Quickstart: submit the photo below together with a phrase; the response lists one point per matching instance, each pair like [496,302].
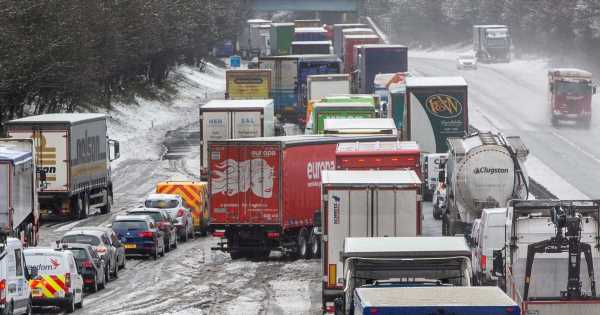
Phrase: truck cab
[491,43]
[570,95]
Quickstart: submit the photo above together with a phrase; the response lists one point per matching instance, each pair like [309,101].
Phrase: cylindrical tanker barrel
[483,171]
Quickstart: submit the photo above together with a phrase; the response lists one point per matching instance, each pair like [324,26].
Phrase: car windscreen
[79,253]
[130,225]
[156,216]
[82,239]
[161,203]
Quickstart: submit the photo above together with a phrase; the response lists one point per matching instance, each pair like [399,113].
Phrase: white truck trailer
[233,119]
[19,210]
[364,204]
[546,244]
[74,152]
[322,85]
[484,170]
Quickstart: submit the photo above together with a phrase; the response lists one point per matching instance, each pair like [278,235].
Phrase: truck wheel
[84,203]
[315,246]
[302,244]
[109,202]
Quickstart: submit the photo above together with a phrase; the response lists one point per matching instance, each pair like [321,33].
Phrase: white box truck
[74,152]
[19,210]
[234,119]
[364,204]
[322,85]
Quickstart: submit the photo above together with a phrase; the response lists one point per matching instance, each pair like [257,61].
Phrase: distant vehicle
[91,267]
[175,206]
[101,244]
[338,36]
[433,164]
[434,300]
[372,59]
[164,222]
[439,201]
[570,95]
[466,61]
[282,35]
[359,126]
[14,274]
[195,197]
[323,85]
[488,237]
[139,235]
[55,278]
[74,152]
[114,243]
[492,43]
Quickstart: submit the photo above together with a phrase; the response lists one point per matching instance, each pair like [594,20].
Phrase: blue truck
[372,59]
[289,79]
[433,300]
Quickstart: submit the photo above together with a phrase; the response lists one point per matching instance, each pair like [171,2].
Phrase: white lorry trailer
[383,262]
[546,244]
[74,152]
[484,170]
[364,204]
[233,119]
[19,210]
[322,85]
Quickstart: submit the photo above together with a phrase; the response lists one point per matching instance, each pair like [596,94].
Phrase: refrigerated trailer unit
[265,192]
[19,208]
[75,153]
[364,203]
[230,119]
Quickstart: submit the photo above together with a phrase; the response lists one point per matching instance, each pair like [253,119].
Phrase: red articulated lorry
[265,193]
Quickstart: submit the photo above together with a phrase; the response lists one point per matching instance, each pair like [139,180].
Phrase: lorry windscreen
[161,203]
[497,42]
[572,88]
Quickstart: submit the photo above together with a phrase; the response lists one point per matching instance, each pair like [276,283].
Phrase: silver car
[176,208]
[466,61]
[100,241]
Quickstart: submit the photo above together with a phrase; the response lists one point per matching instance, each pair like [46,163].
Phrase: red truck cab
[570,95]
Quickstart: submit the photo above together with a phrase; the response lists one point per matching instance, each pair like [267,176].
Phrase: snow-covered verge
[140,127]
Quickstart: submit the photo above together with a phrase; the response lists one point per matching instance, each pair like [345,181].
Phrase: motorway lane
[512,98]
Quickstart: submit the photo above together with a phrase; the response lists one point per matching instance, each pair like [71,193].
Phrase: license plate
[130,246]
[36,292]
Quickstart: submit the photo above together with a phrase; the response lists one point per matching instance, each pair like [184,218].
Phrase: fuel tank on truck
[484,170]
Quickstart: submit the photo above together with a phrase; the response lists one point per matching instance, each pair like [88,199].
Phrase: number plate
[129,246]
[36,292]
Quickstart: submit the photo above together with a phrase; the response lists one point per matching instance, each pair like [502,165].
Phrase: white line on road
[576,147]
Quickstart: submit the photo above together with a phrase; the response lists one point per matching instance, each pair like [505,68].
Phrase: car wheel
[175,243]
[70,307]
[162,252]
[80,304]
[94,287]
[107,274]
[116,272]
[101,285]
[186,235]
[124,262]
[29,310]
[167,246]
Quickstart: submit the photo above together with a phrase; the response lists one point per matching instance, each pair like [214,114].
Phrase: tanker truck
[483,170]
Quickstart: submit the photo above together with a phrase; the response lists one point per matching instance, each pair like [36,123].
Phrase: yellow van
[195,197]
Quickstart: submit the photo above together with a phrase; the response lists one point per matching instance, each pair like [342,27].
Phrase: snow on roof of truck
[381,46]
[69,118]
[359,123]
[258,21]
[435,81]
[349,25]
[357,29]
[433,296]
[353,105]
[311,42]
[369,177]
[282,24]
[570,72]
[324,77]
[419,246]
[306,139]
[15,156]
[237,104]
[360,36]
[491,26]
[310,30]
[350,148]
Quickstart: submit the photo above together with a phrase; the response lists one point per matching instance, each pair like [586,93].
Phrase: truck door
[215,126]
[246,124]
[51,156]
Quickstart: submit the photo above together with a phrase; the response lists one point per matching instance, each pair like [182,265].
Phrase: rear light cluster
[146,234]
[68,280]
[180,213]
[3,291]
[87,264]
[483,262]
[273,234]
[219,233]
[101,250]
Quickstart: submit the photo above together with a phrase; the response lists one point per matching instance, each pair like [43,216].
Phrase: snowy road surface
[511,98]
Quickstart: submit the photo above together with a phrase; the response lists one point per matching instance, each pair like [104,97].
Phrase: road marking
[578,148]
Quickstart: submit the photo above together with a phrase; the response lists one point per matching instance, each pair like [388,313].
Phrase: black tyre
[107,274]
[175,243]
[115,273]
[102,285]
[315,246]
[167,247]
[85,205]
[70,306]
[155,254]
[108,207]
[94,286]
[302,244]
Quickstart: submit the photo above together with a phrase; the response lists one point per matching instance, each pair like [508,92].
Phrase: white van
[55,278]
[15,295]
[487,236]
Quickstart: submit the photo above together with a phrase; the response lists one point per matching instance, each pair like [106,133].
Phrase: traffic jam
[325,148]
